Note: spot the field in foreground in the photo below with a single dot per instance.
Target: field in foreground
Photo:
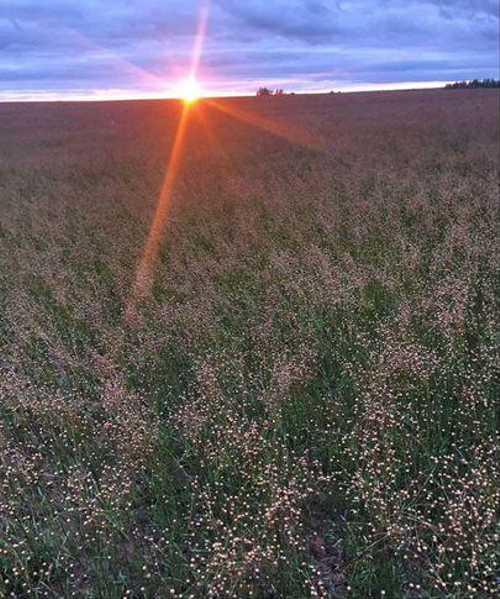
(300, 401)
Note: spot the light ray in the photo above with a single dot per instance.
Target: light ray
(142, 285)
(200, 38)
(212, 141)
(139, 74)
(295, 135)
(144, 274)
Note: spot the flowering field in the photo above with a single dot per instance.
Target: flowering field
(300, 402)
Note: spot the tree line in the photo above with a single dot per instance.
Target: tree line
(265, 91)
(473, 84)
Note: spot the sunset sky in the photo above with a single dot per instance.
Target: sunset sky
(112, 48)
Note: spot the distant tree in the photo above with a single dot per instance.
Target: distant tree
(266, 91)
(474, 84)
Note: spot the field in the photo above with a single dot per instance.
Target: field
(286, 387)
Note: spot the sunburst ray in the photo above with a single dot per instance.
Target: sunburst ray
(144, 273)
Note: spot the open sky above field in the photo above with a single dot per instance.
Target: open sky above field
(113, 49)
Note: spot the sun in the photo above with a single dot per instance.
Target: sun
(190, 90)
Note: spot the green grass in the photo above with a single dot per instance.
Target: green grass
(305, 404)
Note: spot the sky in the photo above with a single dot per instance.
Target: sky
(83, 49)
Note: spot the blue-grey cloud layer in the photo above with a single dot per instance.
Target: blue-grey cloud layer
(145, 45)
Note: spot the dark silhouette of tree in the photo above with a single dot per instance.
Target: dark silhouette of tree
(265, 91)
(474, 84)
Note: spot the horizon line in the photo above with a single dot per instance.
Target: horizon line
(116, 95)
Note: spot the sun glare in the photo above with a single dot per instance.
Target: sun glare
(190, 90)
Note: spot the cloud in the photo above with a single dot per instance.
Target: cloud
(59, 45)
(470, 7)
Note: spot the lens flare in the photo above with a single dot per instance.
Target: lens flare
(191, 91)
(294, 134)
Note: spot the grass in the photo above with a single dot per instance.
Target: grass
(305, 403)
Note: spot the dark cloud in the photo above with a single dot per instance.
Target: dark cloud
(310, 22)
(470, 7)
(61, 45)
